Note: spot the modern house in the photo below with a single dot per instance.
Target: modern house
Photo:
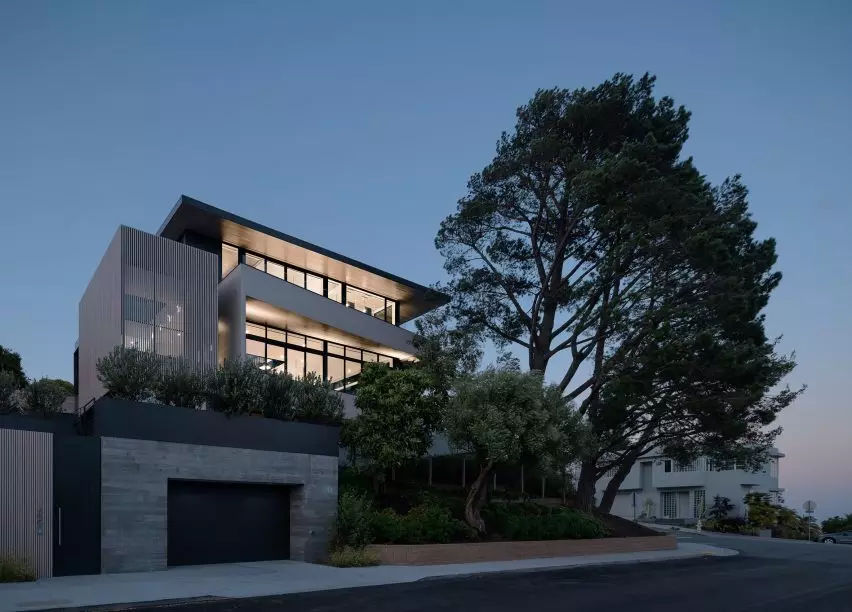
(211, 285)
(127, 486)
(661, 488)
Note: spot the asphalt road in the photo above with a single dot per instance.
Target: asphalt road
(778, 576)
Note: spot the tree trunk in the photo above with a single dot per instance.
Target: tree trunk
(586, 486)
(612, 486)
(476, 497)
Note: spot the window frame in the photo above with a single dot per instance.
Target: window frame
(391, 306)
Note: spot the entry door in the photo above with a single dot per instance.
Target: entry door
(227, 522)
(76, 505)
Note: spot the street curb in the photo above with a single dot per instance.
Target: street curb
(728, 552)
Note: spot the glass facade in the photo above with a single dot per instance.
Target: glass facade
(297, 354)
(363, 301)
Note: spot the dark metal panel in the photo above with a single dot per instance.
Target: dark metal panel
(77, 505)
(148, 421)
(227, 522)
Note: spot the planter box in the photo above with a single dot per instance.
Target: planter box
(115, 418)
(440, 554)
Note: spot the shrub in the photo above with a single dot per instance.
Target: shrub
(353, 527)
(424, 524)
(237, 387)
(13, 569)
(387, 527)
(315, 401)
(734, 524)
(44, 396)
(353, 557)
(9, 392)
(720, 508)
(557, 525)
(177, 384)
(128, 373)
(280, 396)
(530, 521)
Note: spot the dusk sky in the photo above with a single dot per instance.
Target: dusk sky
(355, 125)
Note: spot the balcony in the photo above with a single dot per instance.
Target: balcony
(679, 476)
(261, 297)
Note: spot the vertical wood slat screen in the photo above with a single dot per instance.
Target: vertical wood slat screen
(170, 302)
(151, 293)
(26, 498)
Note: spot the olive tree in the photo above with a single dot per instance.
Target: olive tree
(505, 416)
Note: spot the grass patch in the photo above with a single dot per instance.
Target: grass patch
(353, 557)
(13, 569)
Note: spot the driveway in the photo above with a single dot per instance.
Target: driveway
(767, 575)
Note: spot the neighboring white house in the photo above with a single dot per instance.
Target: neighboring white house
(661, 488)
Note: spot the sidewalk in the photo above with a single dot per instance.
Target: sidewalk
(278, 578)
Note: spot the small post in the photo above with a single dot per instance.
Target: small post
(522, 478)
(430, 471)
(542, 487)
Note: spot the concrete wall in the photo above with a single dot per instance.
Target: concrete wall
(232, 313)
(135, 477)
(26, 498)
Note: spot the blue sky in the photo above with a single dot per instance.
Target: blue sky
(356, 126)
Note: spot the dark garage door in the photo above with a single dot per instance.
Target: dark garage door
(227, 522)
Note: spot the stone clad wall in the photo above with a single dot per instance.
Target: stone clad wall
(135, 474)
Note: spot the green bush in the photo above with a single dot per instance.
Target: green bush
(13, 569)
(354, 524)
(562, 524)
(280, 396)
(531, 521)
(127, 373)
(316, 402)
(353, 557)
(387, 527)
(177, 384)
(237, 387)
(44, 396)
(424, 524)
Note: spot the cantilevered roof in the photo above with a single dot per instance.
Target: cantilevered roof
(193, 215)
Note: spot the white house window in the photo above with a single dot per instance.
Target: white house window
(773, 468)
(668, 502)
(667, 465)
(698, 497)
(690, 466)
(725, 465)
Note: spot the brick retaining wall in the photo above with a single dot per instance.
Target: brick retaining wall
(439, 554)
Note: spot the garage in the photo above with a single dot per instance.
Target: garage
(227, 522)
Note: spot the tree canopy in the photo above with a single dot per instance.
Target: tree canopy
(10, 361)
(590, 236)
(398, 415)
(505, 416)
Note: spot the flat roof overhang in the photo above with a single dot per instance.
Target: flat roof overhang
(194, 215)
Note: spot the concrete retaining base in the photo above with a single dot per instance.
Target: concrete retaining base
(441, 554)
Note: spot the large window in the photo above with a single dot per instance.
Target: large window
(358, 299)
(297, 354)
(230, 258)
